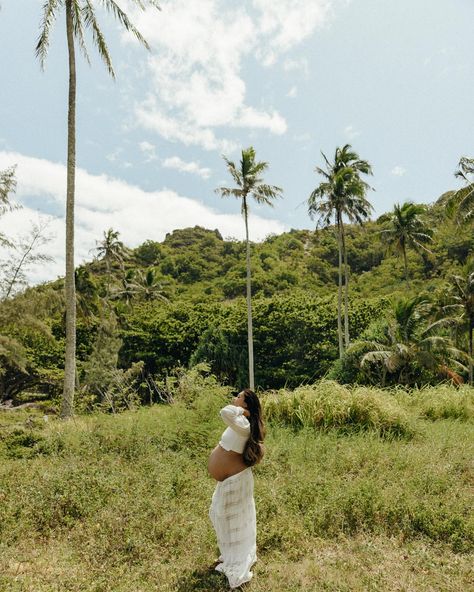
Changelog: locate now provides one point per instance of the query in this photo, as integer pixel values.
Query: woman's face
(239, 400)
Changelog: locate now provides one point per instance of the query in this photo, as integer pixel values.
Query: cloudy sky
(290, 77)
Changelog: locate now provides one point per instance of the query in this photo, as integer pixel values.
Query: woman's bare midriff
(225, 463)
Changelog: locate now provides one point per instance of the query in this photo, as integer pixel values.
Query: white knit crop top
(236, 435)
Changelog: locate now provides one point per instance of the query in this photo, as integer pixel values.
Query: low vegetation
(347, 499)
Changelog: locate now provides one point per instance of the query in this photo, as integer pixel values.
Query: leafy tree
(341, 193)
(87, 292)
(24, 254)
(80, 15)
(7, 187)
(405, 228)
(148, 252)
(30, 355)
(410, 348)
(459, 306)
(249, 183)
(460, 203)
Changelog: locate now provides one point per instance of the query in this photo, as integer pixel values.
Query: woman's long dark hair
(253, 451)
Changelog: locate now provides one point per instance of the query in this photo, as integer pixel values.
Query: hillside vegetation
(144, 312)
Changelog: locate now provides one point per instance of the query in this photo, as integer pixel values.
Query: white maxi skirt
(232, 514)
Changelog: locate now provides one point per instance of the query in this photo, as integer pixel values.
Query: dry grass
(356, 564)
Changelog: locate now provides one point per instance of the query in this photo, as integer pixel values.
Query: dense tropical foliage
(182, 301)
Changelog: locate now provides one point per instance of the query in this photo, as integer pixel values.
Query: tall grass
(441, 402)
(116, 503)
(330, 405)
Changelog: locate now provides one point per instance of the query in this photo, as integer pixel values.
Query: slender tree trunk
(339, 293)
(346, 289)
(405, 262)
(471, 330)
(249, 299)
(67, 407)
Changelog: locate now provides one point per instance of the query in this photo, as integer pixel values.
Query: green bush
(327, 404)
(445, 402)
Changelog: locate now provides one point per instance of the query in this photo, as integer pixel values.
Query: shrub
(327, 405)
(445, 402)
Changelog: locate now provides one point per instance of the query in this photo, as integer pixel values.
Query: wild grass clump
(330, 405)
(189, 386)
(445, 402)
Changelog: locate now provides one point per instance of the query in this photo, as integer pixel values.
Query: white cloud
(103, 202)
(197, 89)
(250, 117)
(398, 171)
(149, 150)
(292, 93)
(350, 132)
(171, 128)
(287, 22)
(113, 156)
(174, 162)
(296, 65)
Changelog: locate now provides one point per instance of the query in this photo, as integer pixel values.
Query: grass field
(344, 503)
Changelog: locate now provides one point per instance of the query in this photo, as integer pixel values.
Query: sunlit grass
(119, 503)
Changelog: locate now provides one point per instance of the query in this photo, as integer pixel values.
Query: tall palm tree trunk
(346, 288)
(405, 262)
(67, 406)
(339, 293)
(249, 299)
(471, 331)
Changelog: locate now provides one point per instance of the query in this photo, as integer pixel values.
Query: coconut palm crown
(405, 228)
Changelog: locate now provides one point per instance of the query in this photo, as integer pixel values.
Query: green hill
(142, 312)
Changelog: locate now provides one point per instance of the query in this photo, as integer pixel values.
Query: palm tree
(110, 248)
(406, 229)
(80, 15)
(458, 305)
(149, 286)
(411, 342)
(463, 199)
(342, 193)
(127, 288)
(249, 183)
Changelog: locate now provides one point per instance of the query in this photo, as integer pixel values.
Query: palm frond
(90, 21)
(236, 174)
(79, 30)
(50, 10)
(229, 192)
(264, 194)
(121, 16)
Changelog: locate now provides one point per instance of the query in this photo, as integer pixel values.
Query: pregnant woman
(232, 510)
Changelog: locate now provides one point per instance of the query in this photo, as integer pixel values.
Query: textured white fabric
(232, 514)
(236, 435)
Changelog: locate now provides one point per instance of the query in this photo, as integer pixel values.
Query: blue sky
(290, 77)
